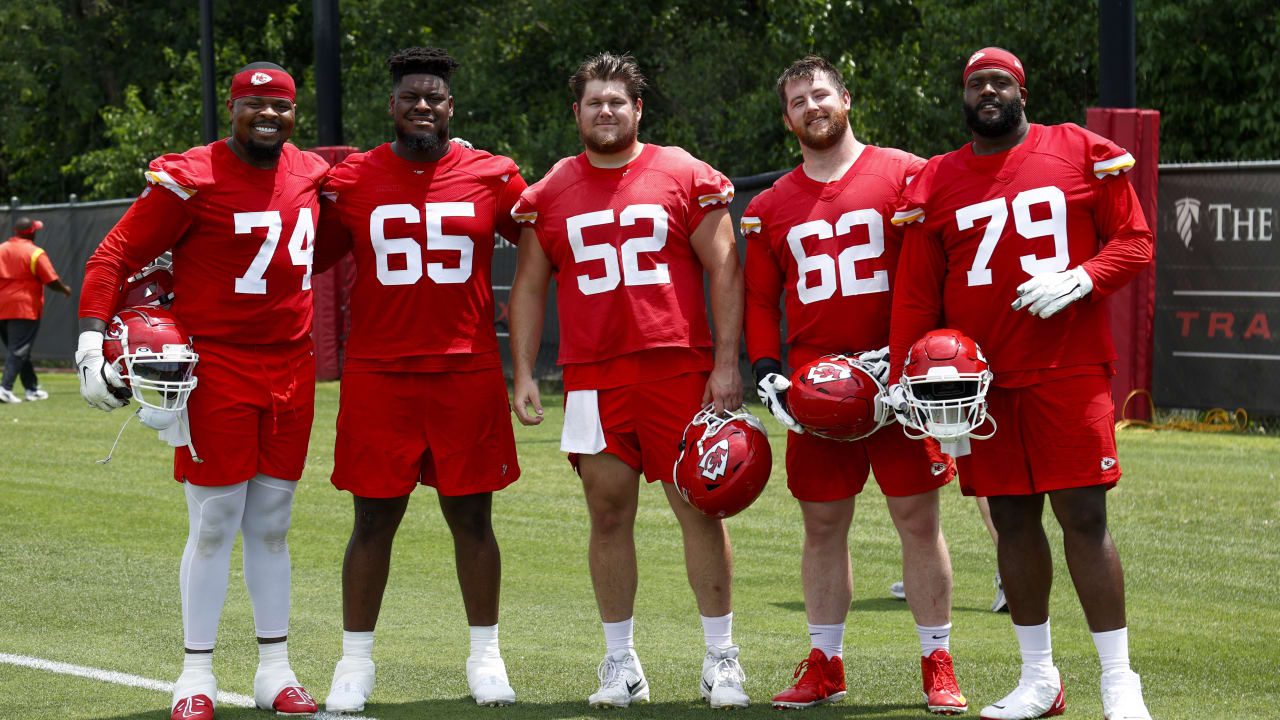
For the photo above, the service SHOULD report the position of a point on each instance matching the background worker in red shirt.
(24, 268)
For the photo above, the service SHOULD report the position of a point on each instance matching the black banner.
(1217, 315)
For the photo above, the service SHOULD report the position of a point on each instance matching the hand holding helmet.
(100, 384)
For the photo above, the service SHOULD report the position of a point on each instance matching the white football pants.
(260, 509)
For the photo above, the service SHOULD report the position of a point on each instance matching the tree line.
(92, 89)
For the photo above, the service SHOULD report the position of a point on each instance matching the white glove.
(100, 384)
(157, 419)
(877, 362)
(769, 389)
(1047, 293)
(895, 397)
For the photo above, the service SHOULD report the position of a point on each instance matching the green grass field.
(89, 568)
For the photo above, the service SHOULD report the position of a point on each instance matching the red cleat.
(293, 700)
(941, 694)
(195, 707)
(821, 681)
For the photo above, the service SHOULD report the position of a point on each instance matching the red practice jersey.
(242, 240)
(831, 248)
(423, 237)
(618, 239)
(980, 226)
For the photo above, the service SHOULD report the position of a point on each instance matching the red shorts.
(642, 423)
(449, 430)
(1050, 436)
(823, 470)
(250, 413)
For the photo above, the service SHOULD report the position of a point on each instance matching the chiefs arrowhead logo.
(115, 330)
(260, 78)
(825, 372)
(714, 461)
(975, 58)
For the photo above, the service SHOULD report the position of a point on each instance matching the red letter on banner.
(1258, 326)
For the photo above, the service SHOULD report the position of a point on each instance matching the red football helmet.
(946, 378)
(152, 285)
(153, 355)
(724, 462)
(835, 397)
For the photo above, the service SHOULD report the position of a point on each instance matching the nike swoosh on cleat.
(631, 687)
(707, 685)
(997, 706)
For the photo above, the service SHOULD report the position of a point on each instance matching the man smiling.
(238, 215)
(423, 396)
(628, 228)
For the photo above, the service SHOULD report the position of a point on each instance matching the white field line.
(119, 678)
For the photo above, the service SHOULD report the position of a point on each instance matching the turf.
(89, 564)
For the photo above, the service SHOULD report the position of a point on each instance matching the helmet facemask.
(948, 405)
(161, 380)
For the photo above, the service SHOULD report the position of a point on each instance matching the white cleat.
(352, 683)
(193, 696)
(277, 688)
(7, 396)
(487, 678)
(622, 681)
(1038, 695)
(722, 678)
(898, 590)
(999, 604)
(37, 394)
(1122, 696)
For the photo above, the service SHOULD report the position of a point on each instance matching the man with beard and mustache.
(627, 228)
(238, 215)
(1014, 221)
(423, 396)
(821, 236)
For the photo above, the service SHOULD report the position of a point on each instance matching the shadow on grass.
(466, 708)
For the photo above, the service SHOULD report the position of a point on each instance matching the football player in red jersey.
(628, 228)
(1003, 241)
(423, 395)
(821, 236)
(239, 216)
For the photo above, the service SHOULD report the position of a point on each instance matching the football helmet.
(152, 285)
(946, 378)
(153, 355)
(835, 397)
(724, 462)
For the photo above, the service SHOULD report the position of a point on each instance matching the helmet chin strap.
(112, 451)
(186, 431)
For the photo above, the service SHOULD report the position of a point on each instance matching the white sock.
(273, 654)
(197, 663)
(827, 638)
(619, 635)
(484, 641)
(934, 638)
(1113, 648)
(1036, 645)
(718, 631)
(357, 645)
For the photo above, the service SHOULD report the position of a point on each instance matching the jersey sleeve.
(917, 295)
(333, 240)
(709, 189)
(1128, 241)
(1105, 160)
(763, 276)
(504, 221)
(42, 267)
(917, 184)
(153, 224)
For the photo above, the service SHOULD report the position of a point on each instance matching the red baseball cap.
(997, 58)
(26, 227)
